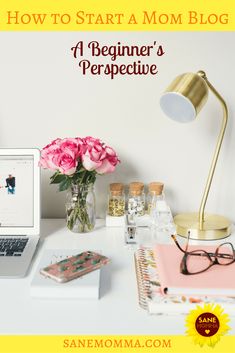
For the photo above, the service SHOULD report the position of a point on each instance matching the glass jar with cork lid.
(116, 205)
(136, 199)
(155, 194)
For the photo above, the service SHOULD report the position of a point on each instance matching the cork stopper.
(116, 189)
(156, 187)
(136, 188)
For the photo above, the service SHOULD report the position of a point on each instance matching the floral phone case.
(75, 266)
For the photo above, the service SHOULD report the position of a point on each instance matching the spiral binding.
(143, 280)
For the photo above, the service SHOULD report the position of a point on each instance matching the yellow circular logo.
(207, 324)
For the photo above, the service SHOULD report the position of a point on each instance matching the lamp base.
(214, 226)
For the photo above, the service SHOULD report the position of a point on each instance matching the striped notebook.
(150, 293)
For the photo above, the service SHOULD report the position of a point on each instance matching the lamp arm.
(216, 153)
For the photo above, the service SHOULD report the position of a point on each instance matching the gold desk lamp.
(182, 101)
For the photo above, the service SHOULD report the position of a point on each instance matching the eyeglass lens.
(198, 261)
(225, 249)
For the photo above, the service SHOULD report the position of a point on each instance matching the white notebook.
(85, 287)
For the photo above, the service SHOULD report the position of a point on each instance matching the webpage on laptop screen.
(16, 191)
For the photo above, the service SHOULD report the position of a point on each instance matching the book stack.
(162, 289)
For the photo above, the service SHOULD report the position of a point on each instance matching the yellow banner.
(110, 344)
(121, 15)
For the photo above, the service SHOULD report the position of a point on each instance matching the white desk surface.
(117, 312)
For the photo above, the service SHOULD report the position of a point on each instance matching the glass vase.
(80, 208)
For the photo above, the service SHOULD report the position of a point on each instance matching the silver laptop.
(19, 210)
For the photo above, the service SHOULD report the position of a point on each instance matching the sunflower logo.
(207, 324)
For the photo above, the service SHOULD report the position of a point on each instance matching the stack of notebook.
(163, 289)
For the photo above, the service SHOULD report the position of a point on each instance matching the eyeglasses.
(198, 261)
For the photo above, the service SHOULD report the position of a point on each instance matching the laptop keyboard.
(12, 246)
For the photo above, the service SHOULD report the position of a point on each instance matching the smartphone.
(75, 266)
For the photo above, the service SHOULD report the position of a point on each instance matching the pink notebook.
(217, 280)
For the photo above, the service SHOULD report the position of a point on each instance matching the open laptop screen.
(16, 191)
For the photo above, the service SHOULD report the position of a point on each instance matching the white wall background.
(43, 96)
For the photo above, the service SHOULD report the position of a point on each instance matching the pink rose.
(74, 145)
(54, 142)
(61, 155)
(109, 162)
(66, 162)
(91, 141)
(93, 156)
(47, 154)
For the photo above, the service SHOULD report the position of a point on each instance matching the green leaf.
(54, 175)
(81, 170)
(78, 177)
(57, 179)
(65, 184)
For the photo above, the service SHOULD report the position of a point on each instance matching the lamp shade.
(185, 97)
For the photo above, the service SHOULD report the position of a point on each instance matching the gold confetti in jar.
(116, 206)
